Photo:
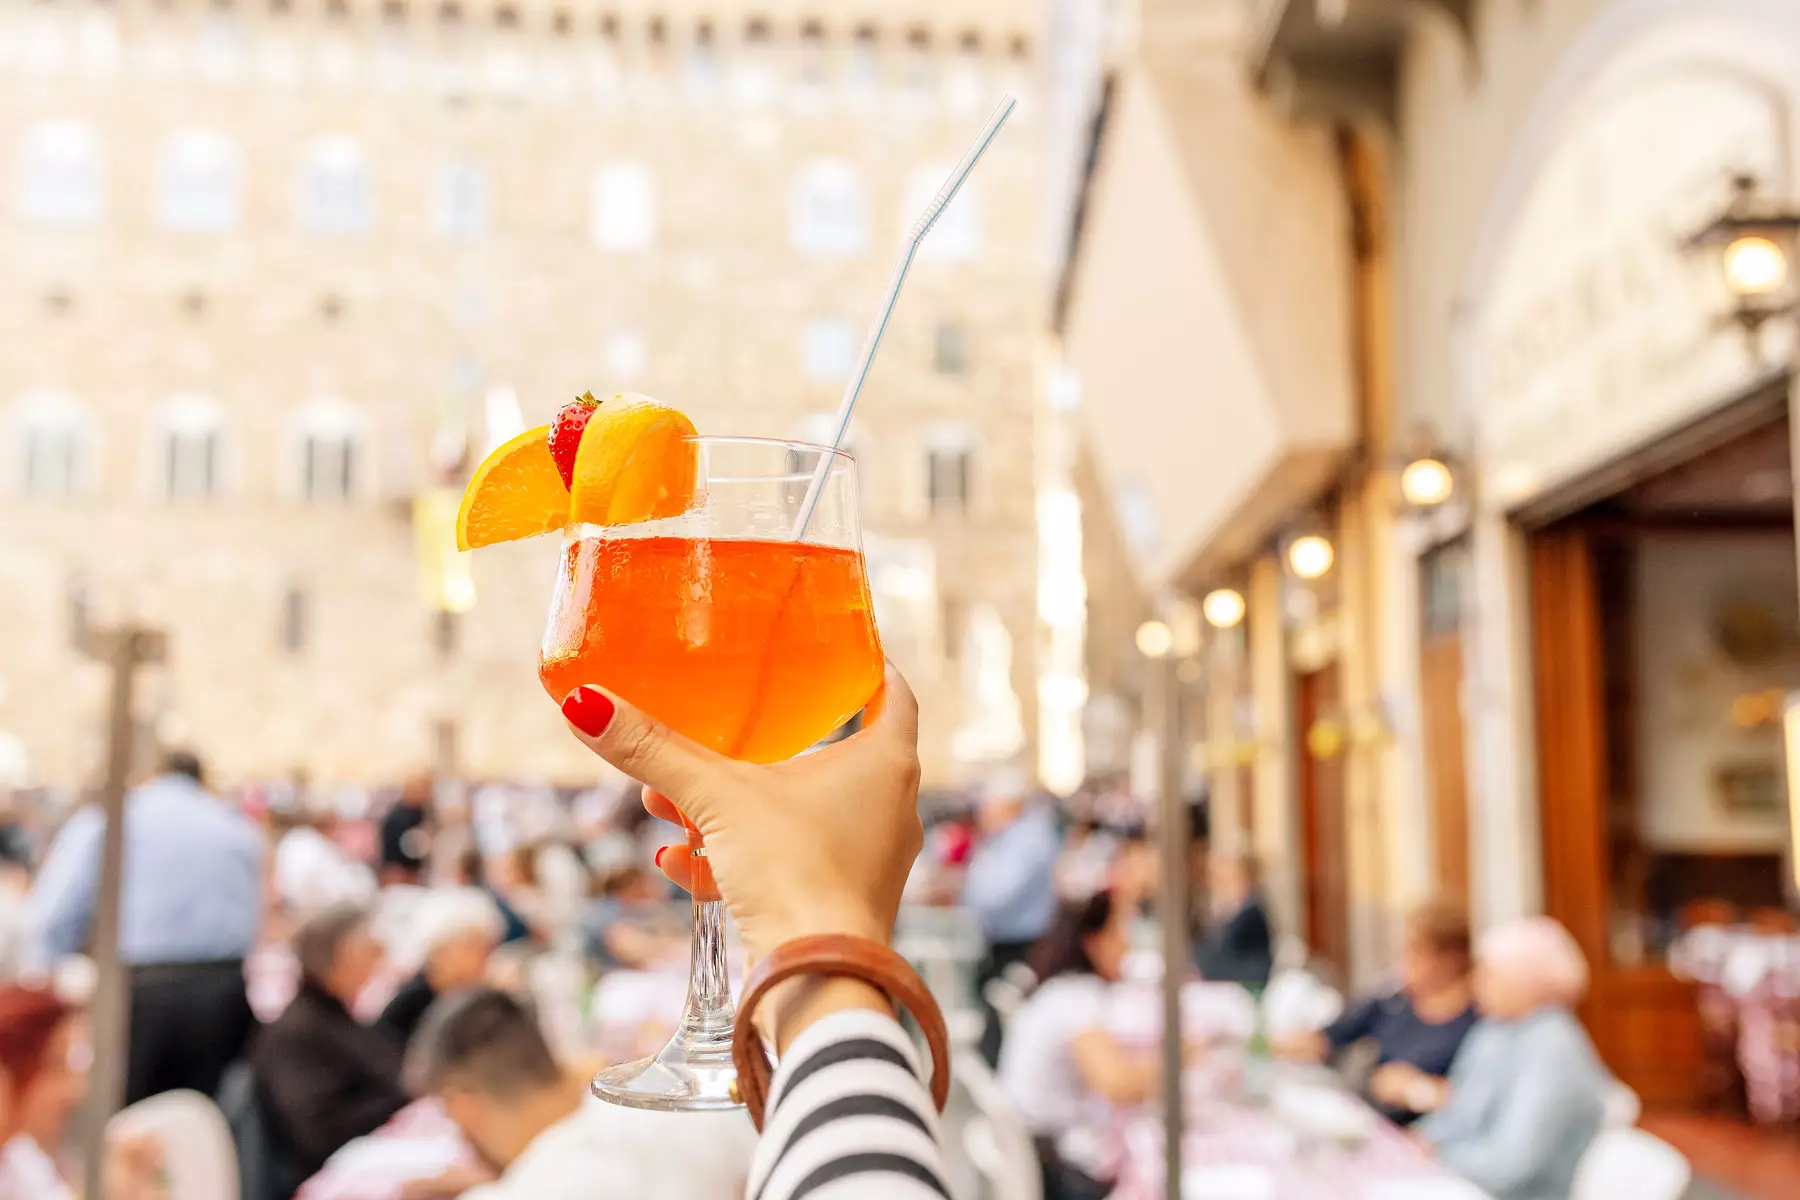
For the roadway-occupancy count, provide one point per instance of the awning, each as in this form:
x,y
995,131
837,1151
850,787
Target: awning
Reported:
x,y
1208,313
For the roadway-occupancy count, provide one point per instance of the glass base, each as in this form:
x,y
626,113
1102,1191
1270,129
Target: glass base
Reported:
x,y
674,1080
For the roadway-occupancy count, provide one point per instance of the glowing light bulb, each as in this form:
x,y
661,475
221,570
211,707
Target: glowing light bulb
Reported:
x,y
1223,607
1310,556
1755,266
1154,639
1426,483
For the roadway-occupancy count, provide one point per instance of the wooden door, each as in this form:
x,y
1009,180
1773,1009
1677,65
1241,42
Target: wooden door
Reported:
x,y
1644,1021
1324,857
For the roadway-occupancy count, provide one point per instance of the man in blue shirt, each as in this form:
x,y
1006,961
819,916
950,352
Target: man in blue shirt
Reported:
x,y
1010,884
191,906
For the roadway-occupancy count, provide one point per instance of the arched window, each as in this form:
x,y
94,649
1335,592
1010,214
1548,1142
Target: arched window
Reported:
x,y
60,176
187,449
957,235
624,213
328,439
828,213
50,439
337,195
464,199
199,184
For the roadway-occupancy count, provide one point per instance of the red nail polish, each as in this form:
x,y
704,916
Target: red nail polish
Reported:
x,y
588,710
660,851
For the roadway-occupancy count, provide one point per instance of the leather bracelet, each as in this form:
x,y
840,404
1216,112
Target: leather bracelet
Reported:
x,y
846,957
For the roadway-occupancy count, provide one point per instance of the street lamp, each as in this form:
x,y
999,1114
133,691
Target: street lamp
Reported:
x,y
1754,240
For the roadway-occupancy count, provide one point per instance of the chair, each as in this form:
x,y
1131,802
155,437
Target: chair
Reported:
x,y
1629,1164
1621,1108
197,1148
996,1140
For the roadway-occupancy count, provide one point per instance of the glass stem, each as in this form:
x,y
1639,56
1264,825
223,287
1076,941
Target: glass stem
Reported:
x,y
706,1020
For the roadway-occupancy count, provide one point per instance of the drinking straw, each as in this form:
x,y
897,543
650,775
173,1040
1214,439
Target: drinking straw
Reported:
x,y
908,248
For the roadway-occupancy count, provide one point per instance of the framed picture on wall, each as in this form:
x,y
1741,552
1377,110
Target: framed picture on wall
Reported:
x,y
1748,789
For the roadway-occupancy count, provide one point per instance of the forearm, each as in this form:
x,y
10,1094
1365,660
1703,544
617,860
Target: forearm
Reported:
x,y
848,1102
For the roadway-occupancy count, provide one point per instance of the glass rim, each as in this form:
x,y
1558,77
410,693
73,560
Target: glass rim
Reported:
x,y
840,460
781,443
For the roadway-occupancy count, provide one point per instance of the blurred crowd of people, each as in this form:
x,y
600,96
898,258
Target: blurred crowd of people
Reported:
x,y
283,949
444,891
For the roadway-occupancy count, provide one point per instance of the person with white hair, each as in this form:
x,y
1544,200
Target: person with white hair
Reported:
x,y
1526,1093
457,929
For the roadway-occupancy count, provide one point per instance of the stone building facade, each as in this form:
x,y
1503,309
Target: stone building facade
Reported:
x,y
268,263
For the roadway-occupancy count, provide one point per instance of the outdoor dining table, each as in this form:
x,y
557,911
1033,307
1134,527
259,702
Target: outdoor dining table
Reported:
x,y
1310,1139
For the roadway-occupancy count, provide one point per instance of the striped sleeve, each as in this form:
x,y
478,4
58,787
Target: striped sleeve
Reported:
x,y
849,1115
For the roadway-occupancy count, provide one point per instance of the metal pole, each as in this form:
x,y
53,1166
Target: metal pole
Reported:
x,y
1171,909
109,1013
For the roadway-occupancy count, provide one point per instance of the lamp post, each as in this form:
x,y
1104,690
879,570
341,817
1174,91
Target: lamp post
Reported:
x,y
125,650
1167,646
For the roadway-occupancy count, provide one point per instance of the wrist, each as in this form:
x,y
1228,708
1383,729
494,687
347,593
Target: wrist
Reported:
x,y
798,1003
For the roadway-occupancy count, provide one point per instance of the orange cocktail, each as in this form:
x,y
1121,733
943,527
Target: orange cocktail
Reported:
x,y
754,648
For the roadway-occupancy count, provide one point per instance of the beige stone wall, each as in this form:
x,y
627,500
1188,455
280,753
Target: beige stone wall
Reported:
x,y
720,304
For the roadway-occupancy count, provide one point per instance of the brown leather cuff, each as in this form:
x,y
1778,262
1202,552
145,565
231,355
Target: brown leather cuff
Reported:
x,y
846,957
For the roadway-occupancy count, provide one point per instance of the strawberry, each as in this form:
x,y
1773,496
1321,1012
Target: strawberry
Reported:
x,y
565,434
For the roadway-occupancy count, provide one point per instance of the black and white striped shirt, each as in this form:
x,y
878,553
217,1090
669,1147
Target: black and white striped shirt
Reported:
x,y
849,1116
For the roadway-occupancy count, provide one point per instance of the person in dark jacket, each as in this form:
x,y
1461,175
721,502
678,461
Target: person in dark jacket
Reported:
x,y
406,831
324,1077
1239,945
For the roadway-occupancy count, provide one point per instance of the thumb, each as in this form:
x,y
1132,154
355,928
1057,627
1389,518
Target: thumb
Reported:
x,y
643,747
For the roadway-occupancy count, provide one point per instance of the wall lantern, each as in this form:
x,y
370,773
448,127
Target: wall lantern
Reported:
x,y
1223,608
1310,556
1427,472
1753,242
1155,639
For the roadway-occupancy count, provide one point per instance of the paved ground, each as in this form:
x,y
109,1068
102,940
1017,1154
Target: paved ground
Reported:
x,y
1733,1160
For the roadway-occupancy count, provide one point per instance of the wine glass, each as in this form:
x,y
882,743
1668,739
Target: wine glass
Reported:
x,y
753,643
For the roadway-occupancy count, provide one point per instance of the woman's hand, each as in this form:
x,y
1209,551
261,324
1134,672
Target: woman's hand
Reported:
x,y
818,844
1305,1047
1402,1085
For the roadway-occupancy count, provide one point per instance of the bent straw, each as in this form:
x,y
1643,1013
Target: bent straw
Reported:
x,y
907,249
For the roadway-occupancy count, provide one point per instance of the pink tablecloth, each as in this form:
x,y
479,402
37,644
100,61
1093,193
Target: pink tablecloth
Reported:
x,y
1221,1136
419,1142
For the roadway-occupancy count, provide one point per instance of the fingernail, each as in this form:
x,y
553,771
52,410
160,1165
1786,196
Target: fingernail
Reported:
x,y
588,710
660,851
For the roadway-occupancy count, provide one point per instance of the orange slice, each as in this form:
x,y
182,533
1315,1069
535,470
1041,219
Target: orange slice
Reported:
x,y
515,493
636,463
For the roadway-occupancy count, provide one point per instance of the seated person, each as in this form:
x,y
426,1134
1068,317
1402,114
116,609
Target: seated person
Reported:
x,y
322,1076
459,929
1238,945
481,1053
1059,1064
1420,1026
471,871
619,926
1526,1094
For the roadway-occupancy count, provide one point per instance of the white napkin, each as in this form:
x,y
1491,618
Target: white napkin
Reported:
x,y
1236,1182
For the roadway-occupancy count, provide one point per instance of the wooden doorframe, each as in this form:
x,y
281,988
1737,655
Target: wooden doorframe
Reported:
x,y
1323,825
1644,1022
